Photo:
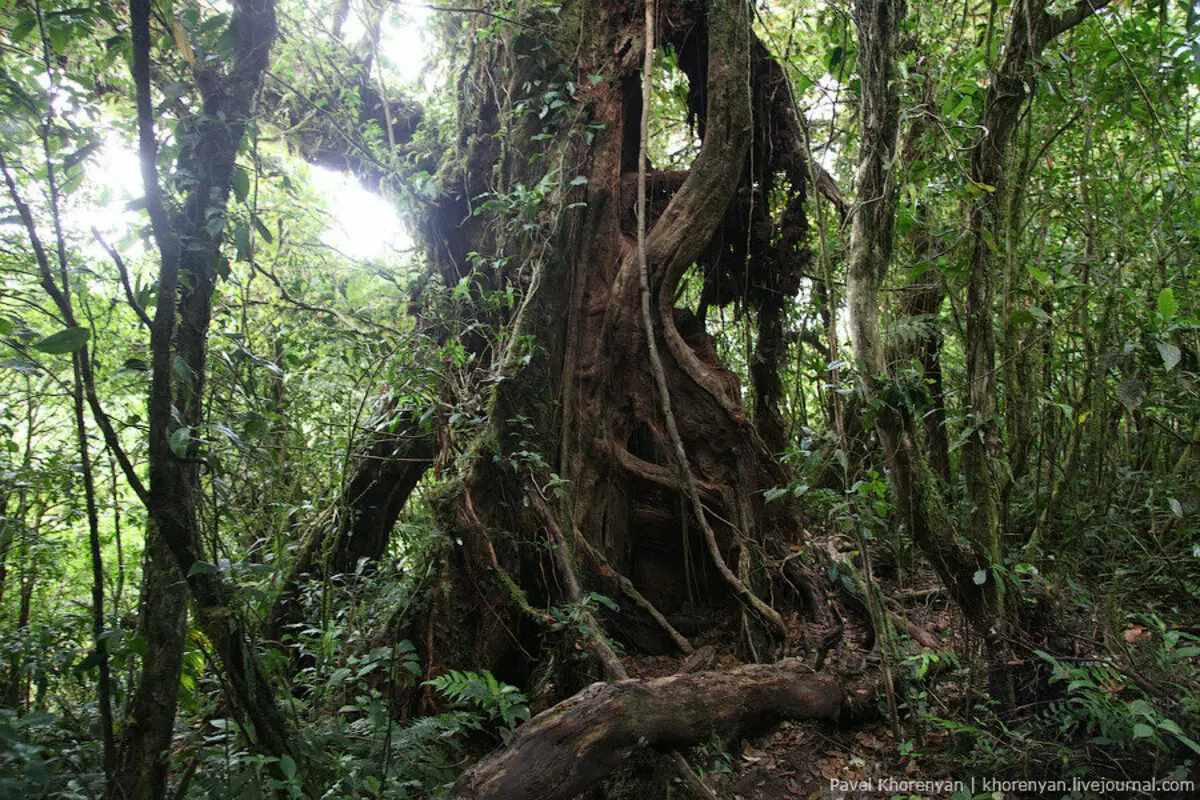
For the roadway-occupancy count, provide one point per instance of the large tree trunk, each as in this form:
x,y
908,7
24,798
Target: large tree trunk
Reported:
x,y
628,511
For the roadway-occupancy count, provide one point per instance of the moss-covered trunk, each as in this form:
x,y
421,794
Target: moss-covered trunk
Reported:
x,y
575,418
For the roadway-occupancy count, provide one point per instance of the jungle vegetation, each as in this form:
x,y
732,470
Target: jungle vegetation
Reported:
x,y
748,396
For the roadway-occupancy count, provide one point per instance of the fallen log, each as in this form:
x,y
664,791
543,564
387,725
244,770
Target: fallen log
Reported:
x,y
567,748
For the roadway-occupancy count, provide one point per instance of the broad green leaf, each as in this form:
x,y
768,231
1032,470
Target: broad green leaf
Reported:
x,y
980,577
1166,303
182,371
241,242
263,230
241,183
20,365
1038,275
181,439
1142,731
65,341
25,24
202,568
60,37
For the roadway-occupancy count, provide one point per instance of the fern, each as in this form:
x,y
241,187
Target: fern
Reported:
x,y
498,700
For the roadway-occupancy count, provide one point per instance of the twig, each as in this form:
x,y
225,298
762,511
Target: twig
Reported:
x,y
120,262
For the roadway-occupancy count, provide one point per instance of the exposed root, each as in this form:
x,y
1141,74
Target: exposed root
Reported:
x,y
602,651
683,354
631,591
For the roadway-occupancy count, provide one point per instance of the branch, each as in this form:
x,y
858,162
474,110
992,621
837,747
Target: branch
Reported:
x,y
460,10
120,262
1072,17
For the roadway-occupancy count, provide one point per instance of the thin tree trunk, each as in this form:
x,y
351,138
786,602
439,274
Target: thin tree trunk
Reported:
x,y
189,250
149,726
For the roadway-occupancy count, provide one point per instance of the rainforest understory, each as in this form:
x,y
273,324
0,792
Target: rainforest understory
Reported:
x,y
530,399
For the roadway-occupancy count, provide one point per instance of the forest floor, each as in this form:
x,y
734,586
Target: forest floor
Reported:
x,y
812,760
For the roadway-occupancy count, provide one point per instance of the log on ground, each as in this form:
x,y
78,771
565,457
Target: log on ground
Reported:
x,y
567,748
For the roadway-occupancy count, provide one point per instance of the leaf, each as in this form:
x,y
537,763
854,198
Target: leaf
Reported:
x,y
980,577
60,37
1039,314
579,180
20,365
241,242
1176,507
65,341
1041,277
1170,354
82,153
181,440
182,371
287,765
263,230
1142,731
1131,393
1166,303
241,183
182,43
25,24
202,568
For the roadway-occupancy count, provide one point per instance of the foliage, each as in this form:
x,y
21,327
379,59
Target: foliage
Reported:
x,y
320,341
501,702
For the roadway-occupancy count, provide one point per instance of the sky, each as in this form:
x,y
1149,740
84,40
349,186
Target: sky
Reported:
x,y
363,225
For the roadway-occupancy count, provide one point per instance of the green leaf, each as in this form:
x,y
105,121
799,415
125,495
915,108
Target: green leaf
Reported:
x,y
1142,731
20,365
579,180
241,242
60,37
1041,277
182,371
25,24
262,229
1170,354
980,577
1166,303
287,765
181,439
65,341
241,183
202,568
